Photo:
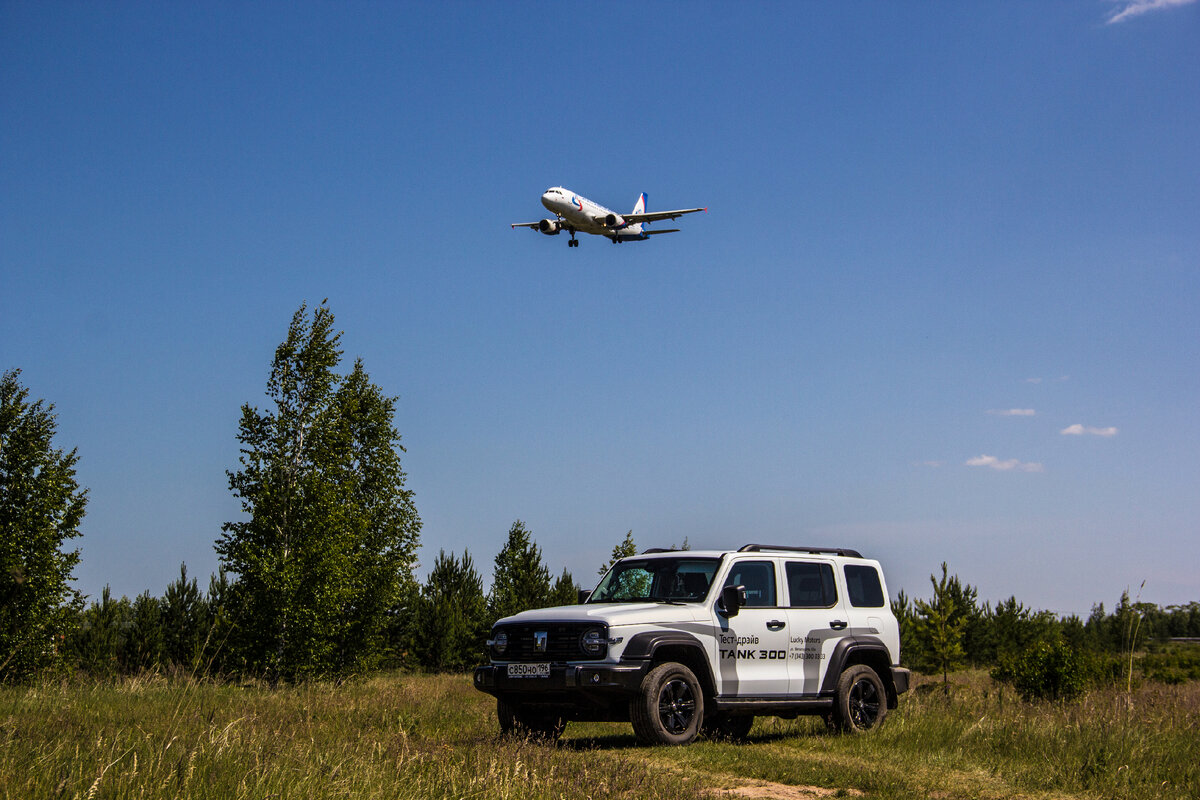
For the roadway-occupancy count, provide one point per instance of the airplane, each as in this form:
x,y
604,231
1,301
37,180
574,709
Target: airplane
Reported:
x,y
575,213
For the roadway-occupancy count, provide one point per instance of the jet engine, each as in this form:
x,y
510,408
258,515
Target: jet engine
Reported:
x,y
614,221
550,227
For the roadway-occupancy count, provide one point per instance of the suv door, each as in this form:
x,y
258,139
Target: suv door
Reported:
x,y
817,621
752,647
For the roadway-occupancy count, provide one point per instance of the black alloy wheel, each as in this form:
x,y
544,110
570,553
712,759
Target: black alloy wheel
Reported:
x,y
861,702
669,706
676,706
864,703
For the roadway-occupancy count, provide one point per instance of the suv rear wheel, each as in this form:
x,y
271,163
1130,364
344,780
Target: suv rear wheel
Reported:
x,y
861,702
669,706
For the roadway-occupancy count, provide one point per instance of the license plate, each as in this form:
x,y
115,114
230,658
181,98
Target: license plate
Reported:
x,y
529,670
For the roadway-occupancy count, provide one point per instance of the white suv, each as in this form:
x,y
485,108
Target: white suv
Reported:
x,y
678,642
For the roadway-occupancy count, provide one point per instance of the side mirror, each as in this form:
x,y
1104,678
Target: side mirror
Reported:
x,y
732,600
584,594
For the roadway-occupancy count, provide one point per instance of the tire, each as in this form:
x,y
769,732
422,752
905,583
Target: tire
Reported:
x,y
861,702
724,727
515,721
669,706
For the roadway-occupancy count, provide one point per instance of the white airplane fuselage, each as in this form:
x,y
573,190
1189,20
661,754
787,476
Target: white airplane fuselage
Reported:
x,y
574,213
577,212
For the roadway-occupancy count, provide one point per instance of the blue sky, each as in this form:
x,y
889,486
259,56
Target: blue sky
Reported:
x,y
939,235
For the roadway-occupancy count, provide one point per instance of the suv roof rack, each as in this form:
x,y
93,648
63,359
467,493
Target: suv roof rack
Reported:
x,y
659,550
836,551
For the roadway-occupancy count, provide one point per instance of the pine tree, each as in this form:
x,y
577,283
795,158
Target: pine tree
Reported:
x,y
906,617
142,648
218,624
97,643
332,533
939,629
452,613
625,549
184,614
520,580
565,591
41,506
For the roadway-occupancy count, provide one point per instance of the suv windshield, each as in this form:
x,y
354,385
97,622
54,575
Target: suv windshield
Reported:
x,y
656,580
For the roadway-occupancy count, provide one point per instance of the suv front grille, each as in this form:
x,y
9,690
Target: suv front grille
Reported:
x,y
562,642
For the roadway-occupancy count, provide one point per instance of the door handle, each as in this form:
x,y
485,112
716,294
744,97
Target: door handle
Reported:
x,y
776,625
837,624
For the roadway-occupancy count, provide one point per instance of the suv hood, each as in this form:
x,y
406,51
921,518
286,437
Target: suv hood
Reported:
x,y
612,613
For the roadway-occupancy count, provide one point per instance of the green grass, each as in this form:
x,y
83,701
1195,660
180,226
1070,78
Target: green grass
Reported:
x,y
398,736
983,742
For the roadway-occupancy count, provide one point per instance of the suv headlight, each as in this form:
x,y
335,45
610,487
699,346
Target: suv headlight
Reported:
x,y
499,643
593,641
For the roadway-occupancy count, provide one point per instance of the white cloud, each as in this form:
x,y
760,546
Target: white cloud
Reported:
x,y
1081,430
1004,466
1012,412
930,464
1135,8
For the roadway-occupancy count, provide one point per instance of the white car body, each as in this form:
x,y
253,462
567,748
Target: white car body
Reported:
x,y
809,614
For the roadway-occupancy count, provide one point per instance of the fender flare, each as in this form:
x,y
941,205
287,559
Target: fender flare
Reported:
x,y
645,647
854,646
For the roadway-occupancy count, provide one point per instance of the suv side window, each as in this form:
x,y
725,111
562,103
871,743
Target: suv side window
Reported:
x,y
759,579
863,585
810,584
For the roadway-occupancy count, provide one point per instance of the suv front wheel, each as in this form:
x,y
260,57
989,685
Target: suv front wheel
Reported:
x,y
861,702
669,706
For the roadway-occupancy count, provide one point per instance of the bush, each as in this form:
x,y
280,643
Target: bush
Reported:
x,y
1172,663
1046,671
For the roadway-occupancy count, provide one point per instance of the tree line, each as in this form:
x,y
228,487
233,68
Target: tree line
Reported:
x,y
439,627
318,577
1044,655
443,626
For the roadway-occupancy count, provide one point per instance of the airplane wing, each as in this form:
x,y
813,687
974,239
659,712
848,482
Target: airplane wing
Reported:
x,y
526,224
654,216
665,230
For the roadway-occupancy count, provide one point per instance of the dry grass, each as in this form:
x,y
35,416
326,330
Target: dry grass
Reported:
x,y
398,736
386,737
983,742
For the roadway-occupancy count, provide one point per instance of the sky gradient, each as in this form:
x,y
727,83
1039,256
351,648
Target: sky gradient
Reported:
x,y
943,307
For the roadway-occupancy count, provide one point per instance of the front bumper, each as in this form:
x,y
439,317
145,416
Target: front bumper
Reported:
x,y
565,680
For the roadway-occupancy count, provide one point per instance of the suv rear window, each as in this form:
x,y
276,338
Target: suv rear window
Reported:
x,y
863,585
810,584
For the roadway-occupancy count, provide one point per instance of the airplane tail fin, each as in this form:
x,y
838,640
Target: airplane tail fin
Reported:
x,y
640,206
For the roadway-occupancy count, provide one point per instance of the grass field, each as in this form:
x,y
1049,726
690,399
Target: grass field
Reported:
x,y
401,736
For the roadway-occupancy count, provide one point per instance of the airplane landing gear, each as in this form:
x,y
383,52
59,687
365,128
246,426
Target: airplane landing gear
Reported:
x,y
573,242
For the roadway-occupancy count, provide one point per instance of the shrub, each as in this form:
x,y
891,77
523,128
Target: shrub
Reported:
x,y
1046,671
